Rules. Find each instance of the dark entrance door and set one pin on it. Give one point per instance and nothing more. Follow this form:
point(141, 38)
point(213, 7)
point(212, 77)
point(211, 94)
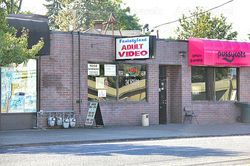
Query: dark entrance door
point(162, 95)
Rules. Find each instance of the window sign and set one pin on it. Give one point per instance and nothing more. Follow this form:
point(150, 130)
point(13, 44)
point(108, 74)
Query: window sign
point(100, 82)
point(109, 70)
point(102, 93)
point(120, 73)
point(143, 73)
point(132, 48)
point(93, 69)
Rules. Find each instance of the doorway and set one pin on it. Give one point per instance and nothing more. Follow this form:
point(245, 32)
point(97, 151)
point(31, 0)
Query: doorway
point(162, 95)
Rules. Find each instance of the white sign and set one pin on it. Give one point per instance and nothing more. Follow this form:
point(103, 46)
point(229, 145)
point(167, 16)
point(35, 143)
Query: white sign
point(100, 82)
point(93, 69)
point(132, 48)
point(109, 70)
point(91, 113)
point(102, 93)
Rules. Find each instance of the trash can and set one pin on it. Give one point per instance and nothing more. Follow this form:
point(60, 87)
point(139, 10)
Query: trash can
point(245, 111)
point(145, 119)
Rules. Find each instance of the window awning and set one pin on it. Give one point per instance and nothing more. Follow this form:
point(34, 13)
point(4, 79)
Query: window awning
point(221, 53)
point(38, 28)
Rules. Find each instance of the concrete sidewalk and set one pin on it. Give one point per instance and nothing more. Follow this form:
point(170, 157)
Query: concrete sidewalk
point(91, 135)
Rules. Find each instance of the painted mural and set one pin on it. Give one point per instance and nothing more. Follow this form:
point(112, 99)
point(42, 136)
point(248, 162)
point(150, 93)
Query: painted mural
point(18, 88)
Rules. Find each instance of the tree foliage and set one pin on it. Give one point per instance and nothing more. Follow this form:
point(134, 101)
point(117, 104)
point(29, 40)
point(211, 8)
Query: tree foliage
point(53, 10)
point(203, 25)
point(14, 49)
point(68, 15)
point(12, 6)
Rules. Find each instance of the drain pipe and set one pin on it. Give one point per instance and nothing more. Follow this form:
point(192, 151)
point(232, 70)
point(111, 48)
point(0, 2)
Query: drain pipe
point(72, 38)
point(38, 89)
point(79, 62)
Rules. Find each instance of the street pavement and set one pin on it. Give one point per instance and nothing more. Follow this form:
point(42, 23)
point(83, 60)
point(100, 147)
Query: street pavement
point(34, 137)
point(205, 151)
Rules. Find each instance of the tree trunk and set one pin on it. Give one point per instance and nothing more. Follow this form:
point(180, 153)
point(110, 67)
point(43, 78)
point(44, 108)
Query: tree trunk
point(19, 6)
point(11, 6)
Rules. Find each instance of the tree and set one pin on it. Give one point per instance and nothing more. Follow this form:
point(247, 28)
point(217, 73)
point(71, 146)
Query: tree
point(68, 15)
point(12, 6)
point(203, 25)
point(53, 10)
point(14, 49)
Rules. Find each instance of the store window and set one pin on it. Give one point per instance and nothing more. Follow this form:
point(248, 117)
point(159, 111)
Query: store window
point(18, 88)
point(102, 82)
point(132, 82)
point(123, 82)
point(218, 84)
point(226, 84)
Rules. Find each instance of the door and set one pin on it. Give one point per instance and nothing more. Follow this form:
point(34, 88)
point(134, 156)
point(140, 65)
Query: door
point(162, 95)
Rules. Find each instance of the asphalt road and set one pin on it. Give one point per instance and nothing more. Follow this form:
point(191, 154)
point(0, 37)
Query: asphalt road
point(226, 151)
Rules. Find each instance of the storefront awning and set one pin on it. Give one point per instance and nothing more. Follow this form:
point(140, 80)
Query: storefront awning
point(221, 53)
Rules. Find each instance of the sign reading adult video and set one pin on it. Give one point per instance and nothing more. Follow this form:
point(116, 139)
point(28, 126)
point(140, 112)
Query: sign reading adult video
point(133, 48)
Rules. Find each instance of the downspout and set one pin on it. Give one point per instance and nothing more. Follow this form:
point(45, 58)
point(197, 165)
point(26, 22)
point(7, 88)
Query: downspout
point(38, 88)
point(79, 72)
point(72, 72)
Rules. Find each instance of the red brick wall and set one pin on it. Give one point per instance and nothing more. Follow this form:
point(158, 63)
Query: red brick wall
point(244, 84)
point(60, 78)
point(174, 93)
point(59, 84)
point(215, 112)
point(56, 76)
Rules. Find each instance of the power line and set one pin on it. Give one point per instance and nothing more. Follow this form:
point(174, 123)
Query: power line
point(177, 20)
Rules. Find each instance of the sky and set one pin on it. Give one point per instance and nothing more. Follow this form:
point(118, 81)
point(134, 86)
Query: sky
point(156, 12)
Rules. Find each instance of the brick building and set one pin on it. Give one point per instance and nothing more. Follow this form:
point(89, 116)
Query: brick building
point(60, 78)
point(64, 83)
point(162, 85)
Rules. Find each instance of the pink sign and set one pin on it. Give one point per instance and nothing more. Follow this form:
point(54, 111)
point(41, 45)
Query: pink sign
point(205, 52)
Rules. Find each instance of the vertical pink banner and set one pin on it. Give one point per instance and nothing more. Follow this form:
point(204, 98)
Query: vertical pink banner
point(195, 52)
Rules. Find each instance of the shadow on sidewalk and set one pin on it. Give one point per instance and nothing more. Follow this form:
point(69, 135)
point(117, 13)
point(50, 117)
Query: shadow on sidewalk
point(119, 148)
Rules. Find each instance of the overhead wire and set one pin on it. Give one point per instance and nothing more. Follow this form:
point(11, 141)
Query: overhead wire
point(177, 20)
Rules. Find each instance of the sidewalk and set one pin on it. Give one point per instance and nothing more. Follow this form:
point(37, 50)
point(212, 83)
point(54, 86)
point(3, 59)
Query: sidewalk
point(34, 137)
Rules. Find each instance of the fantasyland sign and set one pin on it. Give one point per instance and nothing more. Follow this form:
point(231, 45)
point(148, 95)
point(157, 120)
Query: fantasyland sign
point(134, 47)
